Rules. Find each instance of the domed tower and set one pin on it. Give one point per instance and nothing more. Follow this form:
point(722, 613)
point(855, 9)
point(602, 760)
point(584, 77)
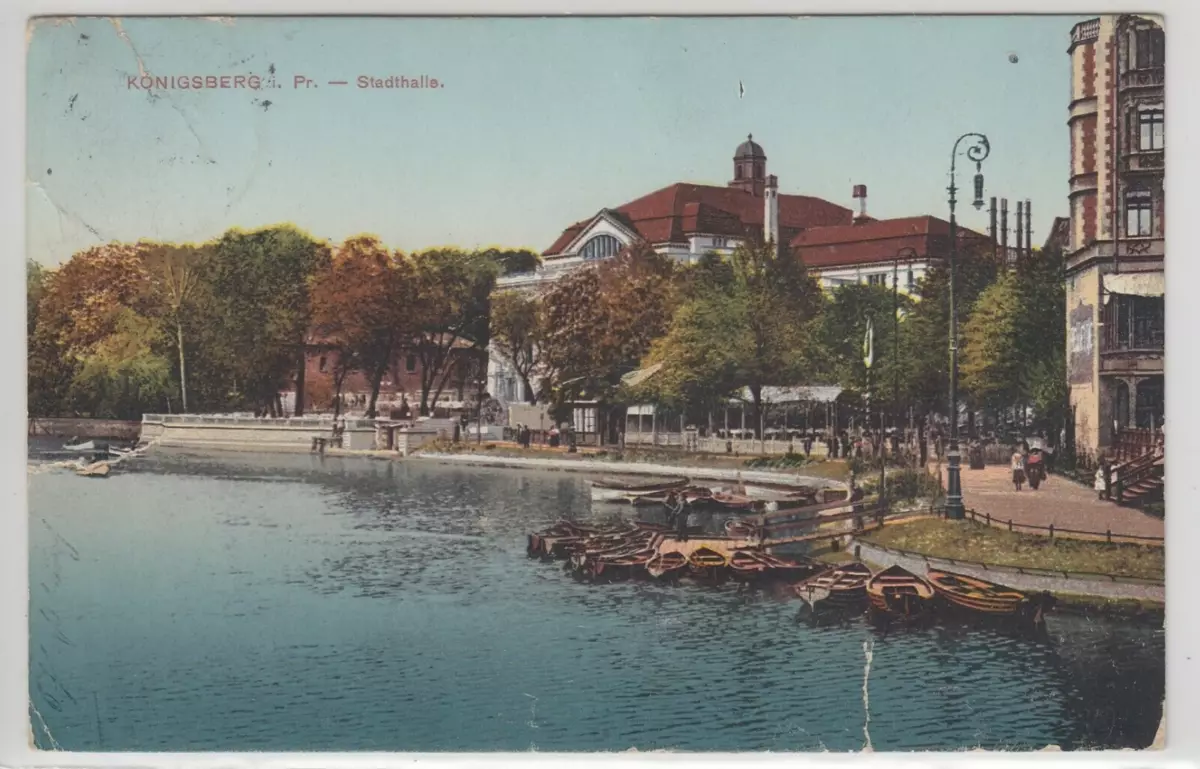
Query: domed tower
point(750, 167)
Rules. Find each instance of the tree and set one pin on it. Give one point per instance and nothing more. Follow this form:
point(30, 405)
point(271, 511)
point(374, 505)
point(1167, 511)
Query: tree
point(362, 306)
point(754, 325)
point(844, 326)
point(599, 322)
point(515, 334)
point(174, 276)
point(510, 261)
point(259, 284)
point(992, 366)
point(451, 311)
point(123, 375)
point(78, 306)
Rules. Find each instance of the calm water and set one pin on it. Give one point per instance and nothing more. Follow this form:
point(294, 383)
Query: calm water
point(290, 603)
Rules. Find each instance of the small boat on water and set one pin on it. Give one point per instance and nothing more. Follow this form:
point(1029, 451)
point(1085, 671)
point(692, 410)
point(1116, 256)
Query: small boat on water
point(746, 564)
point(842, 587)
point(897, 592)
point(978, 595)
point(617, 490)
point(728, 503)
point(94, 470)
point(785, 490)
point(705, 560)
point(666, 564)
point(740, 528)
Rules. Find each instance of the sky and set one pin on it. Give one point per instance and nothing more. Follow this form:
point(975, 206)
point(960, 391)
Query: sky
point(538, 123)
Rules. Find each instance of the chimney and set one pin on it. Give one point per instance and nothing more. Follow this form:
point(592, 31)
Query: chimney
point(1028, 229)
point(860, 195)
point(1004, 227)
point(771, 210)
point(1020, 230)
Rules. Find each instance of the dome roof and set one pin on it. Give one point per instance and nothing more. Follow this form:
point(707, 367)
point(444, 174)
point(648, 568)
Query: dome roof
point(749, 149)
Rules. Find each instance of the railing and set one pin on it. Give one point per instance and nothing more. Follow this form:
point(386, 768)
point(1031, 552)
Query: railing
point(1145, 77)
point(201, 420)
point(1051, 530)
point(1133, 472)
point(1134, 442)
point(1085, 31)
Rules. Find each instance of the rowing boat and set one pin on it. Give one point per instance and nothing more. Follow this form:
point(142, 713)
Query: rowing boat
point(746, 564)
point(665, 564)
point(978, 595)
point(843, 586)
point(740, 528)
point(707, 558)
point(897, 592)
point(616, 490)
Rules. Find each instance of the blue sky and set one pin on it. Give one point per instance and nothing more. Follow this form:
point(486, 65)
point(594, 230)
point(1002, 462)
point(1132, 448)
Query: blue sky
point(540, 122)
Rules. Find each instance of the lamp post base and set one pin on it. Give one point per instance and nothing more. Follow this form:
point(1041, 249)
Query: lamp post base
point(954, 501)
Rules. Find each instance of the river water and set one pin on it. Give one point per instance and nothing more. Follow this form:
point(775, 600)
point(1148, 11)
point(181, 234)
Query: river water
point(245, 602)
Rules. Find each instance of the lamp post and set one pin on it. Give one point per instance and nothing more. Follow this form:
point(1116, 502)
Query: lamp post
point(977, 150)
point(908, 254)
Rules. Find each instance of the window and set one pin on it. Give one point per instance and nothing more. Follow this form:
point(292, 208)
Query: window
point(758, 171)
point(1150, 129)
point(878, 279)
point(1148, 48)
point(321, 364)
point(912, 283)
point(720, 242)
point(601, 247)
point(1148, 408)
point(1135, 322)
point(737, 172)
point(1138, 213)
point(410, 363)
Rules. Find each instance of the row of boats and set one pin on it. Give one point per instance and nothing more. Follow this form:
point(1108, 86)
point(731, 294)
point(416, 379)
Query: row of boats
point(744, 497)
point(643, 550)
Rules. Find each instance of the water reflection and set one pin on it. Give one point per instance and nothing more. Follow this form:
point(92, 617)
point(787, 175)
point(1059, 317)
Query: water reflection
point(285, 603)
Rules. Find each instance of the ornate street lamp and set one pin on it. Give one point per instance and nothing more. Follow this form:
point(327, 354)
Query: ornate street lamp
point(907, 254)
point(977, 151)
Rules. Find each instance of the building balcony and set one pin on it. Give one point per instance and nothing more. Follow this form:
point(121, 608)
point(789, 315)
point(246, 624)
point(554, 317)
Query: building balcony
point(1149, 77)
point(1143, 160)
point(1085, 32)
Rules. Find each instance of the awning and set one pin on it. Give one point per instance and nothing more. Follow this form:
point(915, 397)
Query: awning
point(814, 394)
point(644, 410)
point(635, 378)
point(1135, 284)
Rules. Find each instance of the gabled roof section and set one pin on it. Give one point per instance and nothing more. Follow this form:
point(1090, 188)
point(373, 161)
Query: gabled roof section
point(876, 241)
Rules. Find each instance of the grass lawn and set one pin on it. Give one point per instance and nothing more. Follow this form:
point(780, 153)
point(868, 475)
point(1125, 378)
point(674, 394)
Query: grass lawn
point(971, 541)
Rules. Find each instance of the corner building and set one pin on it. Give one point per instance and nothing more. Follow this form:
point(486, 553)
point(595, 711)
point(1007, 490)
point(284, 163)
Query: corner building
point(1115, 282)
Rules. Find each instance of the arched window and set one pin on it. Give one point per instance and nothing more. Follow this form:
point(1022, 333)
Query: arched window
point(601, 247)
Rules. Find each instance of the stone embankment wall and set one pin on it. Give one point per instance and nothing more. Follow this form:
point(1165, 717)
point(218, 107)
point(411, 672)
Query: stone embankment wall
point(85, 428)
point(290, 435)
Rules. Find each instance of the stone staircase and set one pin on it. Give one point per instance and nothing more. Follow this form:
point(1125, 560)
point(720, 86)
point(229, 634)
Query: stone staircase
point(1140, 480)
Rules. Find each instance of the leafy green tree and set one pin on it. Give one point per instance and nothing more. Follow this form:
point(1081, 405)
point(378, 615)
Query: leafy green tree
point(992, 369)
point(843, 328)
point(510, 261)
point(259, 285)
point(516, 326)
point(124, 375)
point(451, 312)
point(173, 272)
point(750, 324)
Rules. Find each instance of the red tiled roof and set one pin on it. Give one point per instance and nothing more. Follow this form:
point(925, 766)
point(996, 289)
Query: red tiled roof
point(671, 214)
point(875, 241)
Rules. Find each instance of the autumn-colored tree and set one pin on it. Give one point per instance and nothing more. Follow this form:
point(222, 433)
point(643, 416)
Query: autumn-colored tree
point(599, 322)
point(515, 330)
point(124, 374)
point(451, 311)
point(362, 306)
point(79, 306)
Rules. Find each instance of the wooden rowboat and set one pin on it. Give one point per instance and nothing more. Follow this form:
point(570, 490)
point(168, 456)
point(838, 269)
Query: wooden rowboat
point(665, 564)
point(900, 593)
point(844, 586)
point(978, 595)
point(728, 502)
point(740, 528)
point(746, 564)
point(616, 490)
point(707, 558)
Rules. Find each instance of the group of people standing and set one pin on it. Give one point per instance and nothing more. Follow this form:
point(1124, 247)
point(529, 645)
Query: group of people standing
point(1028, 466)
point(524, 436)
point(679, 515)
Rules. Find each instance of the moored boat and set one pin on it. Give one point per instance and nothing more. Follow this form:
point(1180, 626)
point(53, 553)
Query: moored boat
point(616, 490)
point(704, 560)
point(666, 564)
point(843, 586)
point(978, 595)
point(746, 564)
point(897, 592)
point(740, 528)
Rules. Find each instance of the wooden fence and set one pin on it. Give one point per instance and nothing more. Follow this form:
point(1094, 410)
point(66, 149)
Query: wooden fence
point(1051, 530)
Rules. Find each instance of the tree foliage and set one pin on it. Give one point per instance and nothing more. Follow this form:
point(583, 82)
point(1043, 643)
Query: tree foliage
point(516, 331)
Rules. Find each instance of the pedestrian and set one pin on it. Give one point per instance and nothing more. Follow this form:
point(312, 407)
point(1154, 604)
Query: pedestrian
point(681, 520)
point(1018, 468)
point(1035, 469)
point(808, 443)
point(1104, 477)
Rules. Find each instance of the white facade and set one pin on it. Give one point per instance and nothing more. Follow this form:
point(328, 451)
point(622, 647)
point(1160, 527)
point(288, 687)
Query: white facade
point(879, 273)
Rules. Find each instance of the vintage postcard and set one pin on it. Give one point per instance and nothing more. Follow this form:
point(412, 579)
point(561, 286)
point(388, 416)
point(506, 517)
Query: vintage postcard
point(596, 384)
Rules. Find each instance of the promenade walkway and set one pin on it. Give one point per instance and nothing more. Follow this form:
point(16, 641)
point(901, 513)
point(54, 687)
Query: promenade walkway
point(1063, 503)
